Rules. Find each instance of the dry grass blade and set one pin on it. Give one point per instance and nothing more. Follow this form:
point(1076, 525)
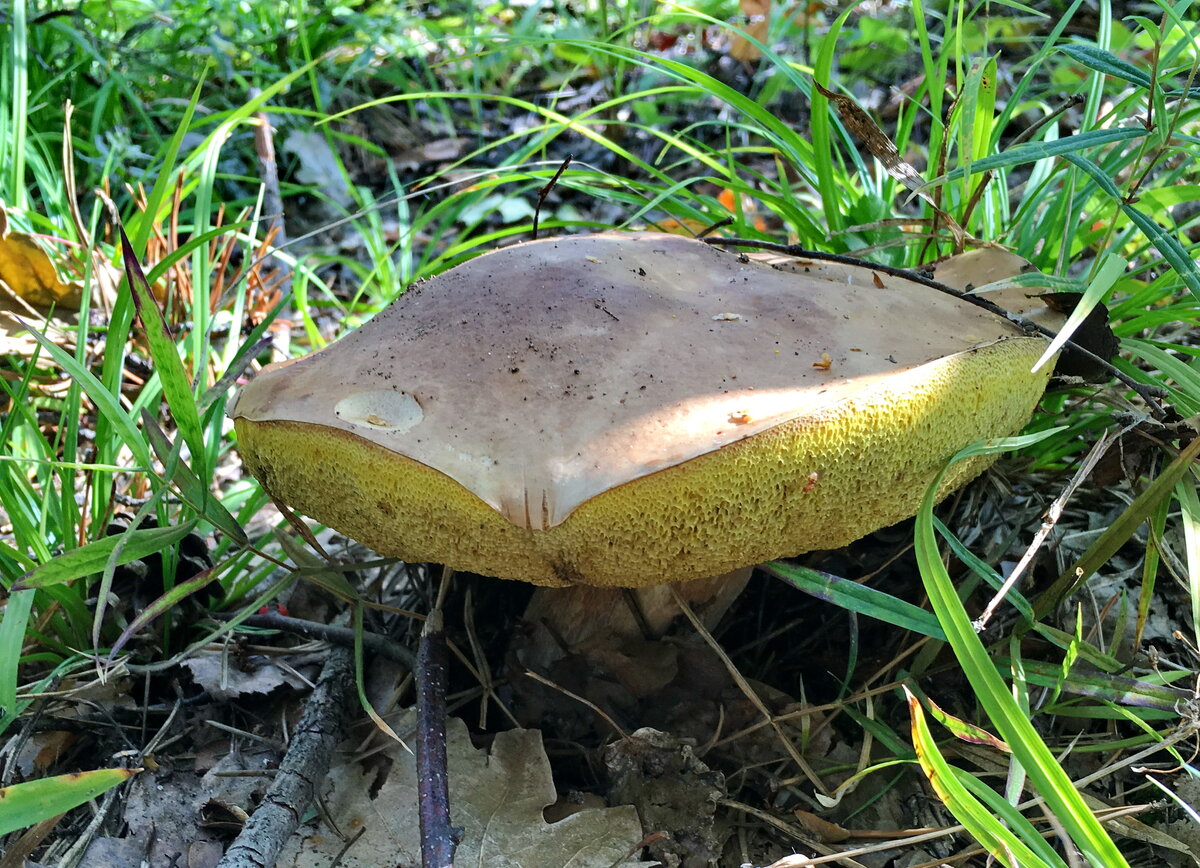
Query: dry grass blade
point(750, 693)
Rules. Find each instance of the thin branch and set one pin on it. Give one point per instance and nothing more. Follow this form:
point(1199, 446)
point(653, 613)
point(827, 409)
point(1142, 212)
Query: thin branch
point(341, 636)
point(304, 766)
point(545, 191)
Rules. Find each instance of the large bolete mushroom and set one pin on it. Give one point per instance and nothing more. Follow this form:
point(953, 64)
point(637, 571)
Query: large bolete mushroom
point(635, 409)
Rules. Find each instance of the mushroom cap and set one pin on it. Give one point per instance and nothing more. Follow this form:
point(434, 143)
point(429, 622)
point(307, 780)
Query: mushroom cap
point(634, 409)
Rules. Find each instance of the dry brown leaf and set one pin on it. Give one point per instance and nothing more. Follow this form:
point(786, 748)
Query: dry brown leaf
point(823, 830)
point(862, 127)
point(497, 798)
point(758, 23)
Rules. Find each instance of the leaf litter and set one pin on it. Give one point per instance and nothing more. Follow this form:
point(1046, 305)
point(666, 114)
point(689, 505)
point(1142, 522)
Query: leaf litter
point(497, 796)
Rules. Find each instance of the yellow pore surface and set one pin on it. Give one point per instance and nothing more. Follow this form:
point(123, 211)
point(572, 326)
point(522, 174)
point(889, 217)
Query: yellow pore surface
point(816, 481)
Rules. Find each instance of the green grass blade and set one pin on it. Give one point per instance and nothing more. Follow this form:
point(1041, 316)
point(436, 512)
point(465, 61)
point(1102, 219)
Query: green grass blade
point(1107, 544)
point(92, 557)
point(161, 606)
point(959, 801)
point(1168, 245)
point(107, 403)
point(858, 598)
point(24, 804)
point(1030, 152)
point(1105, 278)
point(1105, 63)
point(12, 639)
point(1010, 722)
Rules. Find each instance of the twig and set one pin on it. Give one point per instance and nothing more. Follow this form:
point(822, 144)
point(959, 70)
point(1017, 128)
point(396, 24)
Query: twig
point(272, 217)
point(749, 692)
point(713, 227)
point(304, 766)
point(1049, 520)
point(545, 191)
point(438, 839)
point(342, 636)
point(529, 673)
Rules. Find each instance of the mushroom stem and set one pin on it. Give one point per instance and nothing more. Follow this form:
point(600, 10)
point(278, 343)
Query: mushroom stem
point(598, 623)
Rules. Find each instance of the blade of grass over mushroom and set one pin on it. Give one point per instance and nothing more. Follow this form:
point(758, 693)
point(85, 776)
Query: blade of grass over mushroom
point(1118, 533)
point(92, 557)
point(949, 786)
point(24, 804)
point(1010, 722)
point(856, 597)
point(1110, 270)
point(315, 570)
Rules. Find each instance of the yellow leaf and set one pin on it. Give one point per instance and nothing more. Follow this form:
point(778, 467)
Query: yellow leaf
point(28, 272)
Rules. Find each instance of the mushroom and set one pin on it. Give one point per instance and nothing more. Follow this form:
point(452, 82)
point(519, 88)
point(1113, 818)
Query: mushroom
point(628, 410)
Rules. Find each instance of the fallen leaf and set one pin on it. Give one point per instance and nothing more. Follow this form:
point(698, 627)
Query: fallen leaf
point(862, 127)
point(497, 798)
point(27, 271)
point(223, 679)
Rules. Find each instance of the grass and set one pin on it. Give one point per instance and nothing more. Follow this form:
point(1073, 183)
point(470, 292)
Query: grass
point(126, 416)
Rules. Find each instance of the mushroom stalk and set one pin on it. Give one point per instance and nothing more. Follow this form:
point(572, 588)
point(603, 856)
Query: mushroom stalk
point(600, 624)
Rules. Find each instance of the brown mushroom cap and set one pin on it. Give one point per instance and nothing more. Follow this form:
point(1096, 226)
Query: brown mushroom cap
point(623, 410)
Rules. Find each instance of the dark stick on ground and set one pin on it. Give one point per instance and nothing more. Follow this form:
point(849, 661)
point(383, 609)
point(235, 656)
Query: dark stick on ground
point(438, 838)
point(302, 770)
point(545, 191)
point(373, 643)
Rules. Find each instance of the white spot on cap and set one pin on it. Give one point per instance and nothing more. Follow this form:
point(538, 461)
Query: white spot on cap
point(381, 409)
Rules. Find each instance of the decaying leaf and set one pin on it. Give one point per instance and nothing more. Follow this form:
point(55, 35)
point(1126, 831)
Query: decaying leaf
point(497, 797)
point(675, 792)
point(862, 127)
